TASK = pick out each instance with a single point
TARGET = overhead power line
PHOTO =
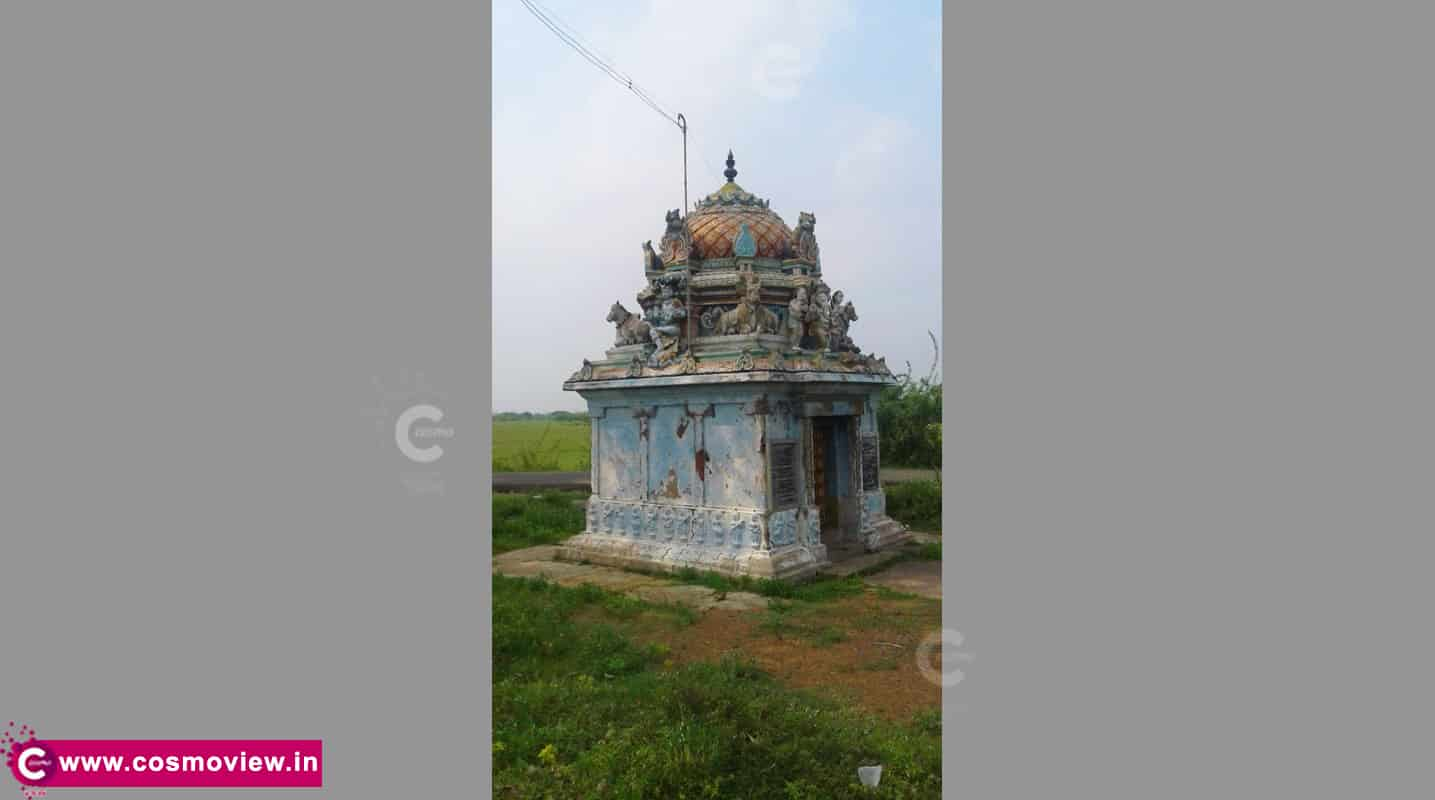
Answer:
(570, 37)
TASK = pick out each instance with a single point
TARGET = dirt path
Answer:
(538, 562)
(861, 648)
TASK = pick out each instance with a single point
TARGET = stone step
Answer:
(539, 562)
(921, 578)
(860, 563)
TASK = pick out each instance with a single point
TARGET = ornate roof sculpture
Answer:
(732, 289)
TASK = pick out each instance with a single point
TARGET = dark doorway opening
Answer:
(832, 474)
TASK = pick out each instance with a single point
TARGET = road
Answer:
(578, 481)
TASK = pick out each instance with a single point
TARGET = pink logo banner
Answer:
(166, 763)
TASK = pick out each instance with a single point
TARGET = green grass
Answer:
(817, 590)
(541, 445)
(528, 520)
(581, 711)
(787, 620)
(916, 503)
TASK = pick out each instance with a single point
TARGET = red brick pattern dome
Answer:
(715, 227)
(718, 219)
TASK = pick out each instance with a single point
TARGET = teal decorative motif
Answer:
(744, 246)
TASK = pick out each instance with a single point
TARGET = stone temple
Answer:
(734, 423)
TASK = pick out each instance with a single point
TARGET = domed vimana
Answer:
(718, 219)
(734, 423)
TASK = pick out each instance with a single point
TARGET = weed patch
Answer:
(529, 520)
(581, 711)
(814, 591)
(916, 503)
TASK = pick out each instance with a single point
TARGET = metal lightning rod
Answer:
(683, 126)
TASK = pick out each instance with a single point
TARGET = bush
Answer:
(918, 504)
(528, 520)
(909, 419)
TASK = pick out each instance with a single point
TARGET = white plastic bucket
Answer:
(870, 776)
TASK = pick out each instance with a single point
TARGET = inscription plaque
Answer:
(784, 474)
(869, 463)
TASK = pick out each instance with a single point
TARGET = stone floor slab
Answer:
(553, 570)
(537, 562)
(543, 552)
(922, 578)
(855, 564)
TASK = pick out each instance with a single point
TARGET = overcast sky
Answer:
(829, 107)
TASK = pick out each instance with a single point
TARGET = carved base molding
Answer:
(794, 562)
(730, 529)
(880, 531)
(728, 541)
(727, 529)
(794, 526)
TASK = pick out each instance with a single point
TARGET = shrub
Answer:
(917, 503)
(528, 520)
(909, 418)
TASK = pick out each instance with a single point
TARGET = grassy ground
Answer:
(528, 520)
(917, 503)
(812, 591)
(540, 445)
(601, 695)
(590, 702)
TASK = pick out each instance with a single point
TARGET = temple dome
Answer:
(718, 219)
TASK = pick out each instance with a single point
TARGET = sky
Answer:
(829, 107)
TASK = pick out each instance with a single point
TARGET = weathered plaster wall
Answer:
(621, 470)
(691, 448)
(681, 478)
(733, 460)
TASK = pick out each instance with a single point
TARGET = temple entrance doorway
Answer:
(832, 478)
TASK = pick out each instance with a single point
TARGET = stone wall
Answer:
(690, 448)
(681, 478)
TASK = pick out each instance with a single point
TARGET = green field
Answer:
(540, 445)
(589, 703)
